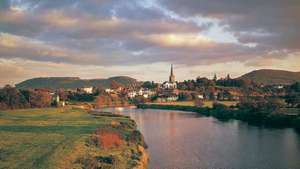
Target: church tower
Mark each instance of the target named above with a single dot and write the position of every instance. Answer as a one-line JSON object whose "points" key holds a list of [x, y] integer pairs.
{"points": [[172, 76]]}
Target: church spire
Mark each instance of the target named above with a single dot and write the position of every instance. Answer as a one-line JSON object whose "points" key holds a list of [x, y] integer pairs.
{"points": [[215, 77], [172, 76]]}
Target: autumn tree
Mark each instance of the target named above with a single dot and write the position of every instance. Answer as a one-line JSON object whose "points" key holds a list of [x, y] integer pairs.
{"points": [[40, 99], [12, 98], [115, 85], [198, 103], [63, 95], [103, 101]]}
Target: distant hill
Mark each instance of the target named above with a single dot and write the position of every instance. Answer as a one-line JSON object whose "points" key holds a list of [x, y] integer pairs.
{"points": [[73, 82], [269, 76]]}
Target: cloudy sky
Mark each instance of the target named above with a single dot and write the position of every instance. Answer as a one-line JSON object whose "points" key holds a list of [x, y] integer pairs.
{"points": [[141, 38]]}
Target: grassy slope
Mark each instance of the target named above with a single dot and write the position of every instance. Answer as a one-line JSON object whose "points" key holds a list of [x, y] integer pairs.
{"points": [[268, 76], [56, 138], [73, 82]]}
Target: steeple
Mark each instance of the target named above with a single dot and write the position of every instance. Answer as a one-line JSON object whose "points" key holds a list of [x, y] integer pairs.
{"points": [[172, 76], [215, 78], [228, 77]]}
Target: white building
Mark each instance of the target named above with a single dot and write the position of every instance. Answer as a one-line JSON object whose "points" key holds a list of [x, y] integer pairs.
{"points": [[200, 96], [132, 94], [88, 90], [146, 93], [171, 84], [108, 90]]}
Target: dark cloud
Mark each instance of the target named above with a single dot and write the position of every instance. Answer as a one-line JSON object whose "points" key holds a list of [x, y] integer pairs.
{"points": [[277, 19], [4, 4]]}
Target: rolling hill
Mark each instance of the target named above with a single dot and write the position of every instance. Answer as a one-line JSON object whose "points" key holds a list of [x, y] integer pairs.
{"points": [[74, 82], [269, 76]]}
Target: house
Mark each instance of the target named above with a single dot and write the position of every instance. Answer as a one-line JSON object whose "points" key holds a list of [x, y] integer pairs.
{"points": [[57, 101], [200, 96], [132, 94], [167, 98], [88, 90], [146, 93], [278, 86], [108, 90]]}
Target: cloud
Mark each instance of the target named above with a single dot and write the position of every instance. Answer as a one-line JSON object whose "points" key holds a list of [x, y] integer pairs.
{"points": [[287, 62], [101, 34], [187, 40], [272, 23], [12, 46]]}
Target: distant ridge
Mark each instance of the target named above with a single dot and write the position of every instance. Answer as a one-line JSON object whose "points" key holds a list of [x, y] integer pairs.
{"points": [[74, 82], [270, 76]]}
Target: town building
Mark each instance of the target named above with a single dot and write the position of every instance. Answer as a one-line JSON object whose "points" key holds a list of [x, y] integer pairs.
{"points": [[171, 84], [87, 90], [169, 90]]}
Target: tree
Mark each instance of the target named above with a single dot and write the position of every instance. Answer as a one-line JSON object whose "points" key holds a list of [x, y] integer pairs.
{"points": [[295, 87], [139, 100], [185, 97], [103, 101], [63, 95], [40, 99], [149, 85], [198, 103], [253, 104], [293, 100], [275, 103], [12, 98], [115, 85]]}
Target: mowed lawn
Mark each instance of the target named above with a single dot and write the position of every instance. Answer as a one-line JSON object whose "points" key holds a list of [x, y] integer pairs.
{"points": [[191, 103], [47, 138]]}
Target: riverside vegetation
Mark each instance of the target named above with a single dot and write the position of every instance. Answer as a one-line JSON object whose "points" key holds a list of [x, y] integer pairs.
{"points": [[69, 138], [258, 113]]}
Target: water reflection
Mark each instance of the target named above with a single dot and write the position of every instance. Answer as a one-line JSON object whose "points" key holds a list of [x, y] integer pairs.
{"points": [[188, 141]]}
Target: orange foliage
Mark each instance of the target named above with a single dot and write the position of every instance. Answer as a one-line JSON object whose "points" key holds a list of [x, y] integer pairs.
{"points": [[108, 139], [115, 123], [103, 101]]}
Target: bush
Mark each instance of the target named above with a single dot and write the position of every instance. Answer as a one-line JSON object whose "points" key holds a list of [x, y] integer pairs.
{"points": [[12, 98], [278, 121], [221, 112], [296, 123]]}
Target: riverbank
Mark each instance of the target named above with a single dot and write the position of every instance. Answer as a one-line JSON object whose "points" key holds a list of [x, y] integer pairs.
{"points": [[69, 138], [224, 113]]}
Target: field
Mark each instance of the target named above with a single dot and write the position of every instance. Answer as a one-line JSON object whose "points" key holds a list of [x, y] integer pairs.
{"points": [[67, 138], [191, 103]]}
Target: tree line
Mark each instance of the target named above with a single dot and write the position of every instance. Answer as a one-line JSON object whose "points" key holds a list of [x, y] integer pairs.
{"points": [[13, 98]]}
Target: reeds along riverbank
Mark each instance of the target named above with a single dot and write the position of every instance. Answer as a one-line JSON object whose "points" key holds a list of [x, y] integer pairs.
{"points": [[223, 113]]}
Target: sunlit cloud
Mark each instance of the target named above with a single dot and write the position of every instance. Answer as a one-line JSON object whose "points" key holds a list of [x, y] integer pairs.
{"points": [[200, 36], [179, 40]]}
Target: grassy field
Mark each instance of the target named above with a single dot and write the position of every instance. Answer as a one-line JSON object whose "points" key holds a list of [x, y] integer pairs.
{"points": [[66, 138], [208, 104]]}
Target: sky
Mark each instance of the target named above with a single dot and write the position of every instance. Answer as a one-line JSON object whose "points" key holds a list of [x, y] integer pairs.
{"points": [[142, 38]]}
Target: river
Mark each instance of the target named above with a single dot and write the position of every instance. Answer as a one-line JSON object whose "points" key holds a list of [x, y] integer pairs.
{"points": [[183, 140]]}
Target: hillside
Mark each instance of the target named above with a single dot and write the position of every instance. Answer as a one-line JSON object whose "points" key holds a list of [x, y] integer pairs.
{"points": [[269, 76], [73, 82]]}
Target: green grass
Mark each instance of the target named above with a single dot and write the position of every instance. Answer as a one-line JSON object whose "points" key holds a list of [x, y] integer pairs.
{"points": [[55, 138], [177, 103], [208, 104]]}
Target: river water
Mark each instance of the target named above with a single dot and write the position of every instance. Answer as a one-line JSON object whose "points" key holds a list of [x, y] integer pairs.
{"points": [[184, 140]]}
